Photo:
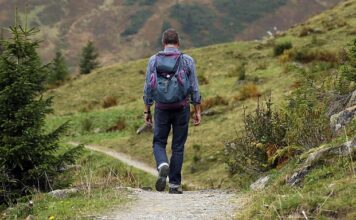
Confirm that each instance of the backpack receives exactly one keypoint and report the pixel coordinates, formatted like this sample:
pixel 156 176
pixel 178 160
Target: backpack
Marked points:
pixel 169 79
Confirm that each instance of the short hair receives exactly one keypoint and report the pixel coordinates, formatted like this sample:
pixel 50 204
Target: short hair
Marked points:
pixel 170 36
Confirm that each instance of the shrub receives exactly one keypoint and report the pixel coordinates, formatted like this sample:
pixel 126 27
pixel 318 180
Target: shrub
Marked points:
pixel 214 101
pixel 279 48
pixel 307 114
pixel 346 81
pixel 242 156
pixel 109 101
pixel 264 136
pixel 248 91
pixel 307 55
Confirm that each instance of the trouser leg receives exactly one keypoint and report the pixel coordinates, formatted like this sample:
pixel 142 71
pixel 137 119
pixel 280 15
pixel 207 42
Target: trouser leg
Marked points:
pixel 162 127
pixel 180 123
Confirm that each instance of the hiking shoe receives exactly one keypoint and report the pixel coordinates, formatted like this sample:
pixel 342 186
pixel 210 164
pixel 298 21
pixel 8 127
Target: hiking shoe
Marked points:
pixel 162 176
pixel 175 190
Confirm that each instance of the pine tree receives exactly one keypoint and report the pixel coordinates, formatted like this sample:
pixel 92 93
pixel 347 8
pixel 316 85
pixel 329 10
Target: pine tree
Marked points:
pixel 1 39
pixel 28 154
pixel 89 58
pixel 58 69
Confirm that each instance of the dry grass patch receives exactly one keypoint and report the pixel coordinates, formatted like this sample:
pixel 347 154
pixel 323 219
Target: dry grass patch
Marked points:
pixel 109 101
pixel 214 101
pixel 247 91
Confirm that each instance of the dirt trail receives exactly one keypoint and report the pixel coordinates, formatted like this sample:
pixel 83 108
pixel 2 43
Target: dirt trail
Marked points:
pixel 152 205
pixel 122 157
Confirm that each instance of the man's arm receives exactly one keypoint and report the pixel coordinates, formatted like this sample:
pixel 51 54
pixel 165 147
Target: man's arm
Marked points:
pixel 195 93
pixel 146 97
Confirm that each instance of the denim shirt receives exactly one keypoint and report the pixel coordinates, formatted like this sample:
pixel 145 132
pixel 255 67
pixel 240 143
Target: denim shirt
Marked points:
pixel 195 97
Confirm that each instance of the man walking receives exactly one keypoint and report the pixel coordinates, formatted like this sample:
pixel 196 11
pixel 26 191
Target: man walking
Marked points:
pixel 171 83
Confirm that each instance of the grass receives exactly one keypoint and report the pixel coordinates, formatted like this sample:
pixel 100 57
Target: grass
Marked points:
pixel 326 193
pixel 97 177
pixel 77 206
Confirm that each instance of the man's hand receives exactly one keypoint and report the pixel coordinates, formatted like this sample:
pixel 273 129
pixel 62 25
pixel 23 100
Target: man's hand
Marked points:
pixel 148 116
pixel 197 115
pixel 148 119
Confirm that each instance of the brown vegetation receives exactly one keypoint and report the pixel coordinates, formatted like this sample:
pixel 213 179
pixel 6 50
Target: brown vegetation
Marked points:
pixel 109 101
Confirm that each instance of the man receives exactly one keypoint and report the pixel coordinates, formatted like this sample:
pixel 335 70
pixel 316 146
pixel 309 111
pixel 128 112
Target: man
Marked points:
pixel 170 82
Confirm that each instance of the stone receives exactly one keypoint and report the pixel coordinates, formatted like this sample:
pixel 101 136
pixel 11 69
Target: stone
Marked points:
pixel 30 217
pixel 298 176
pixel 344 149
pixel 144 128
pixel 352 100
pixel 63 193
pixel 341 119
pixel 261 183
pixel 209 112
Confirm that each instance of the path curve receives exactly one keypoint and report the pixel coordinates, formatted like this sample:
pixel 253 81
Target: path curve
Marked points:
pixel 152 205
pixel 120 156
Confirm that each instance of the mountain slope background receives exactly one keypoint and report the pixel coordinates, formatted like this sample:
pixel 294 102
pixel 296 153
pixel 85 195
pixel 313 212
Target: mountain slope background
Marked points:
pixel 135 26
pixel 83 101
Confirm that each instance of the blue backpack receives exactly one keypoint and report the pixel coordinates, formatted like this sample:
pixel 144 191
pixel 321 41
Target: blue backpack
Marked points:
pixel 169 80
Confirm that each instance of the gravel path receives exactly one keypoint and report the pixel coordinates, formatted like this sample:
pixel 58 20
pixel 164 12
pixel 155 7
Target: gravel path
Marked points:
pixel 152 205
pixel 208 204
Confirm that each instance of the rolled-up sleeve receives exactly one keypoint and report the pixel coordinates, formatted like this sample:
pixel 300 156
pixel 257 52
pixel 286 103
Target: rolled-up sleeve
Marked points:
pixel 195 97
pixel 146 97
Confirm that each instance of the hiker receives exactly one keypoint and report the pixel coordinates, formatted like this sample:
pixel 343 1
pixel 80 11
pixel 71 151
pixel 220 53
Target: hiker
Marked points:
pixel 171 83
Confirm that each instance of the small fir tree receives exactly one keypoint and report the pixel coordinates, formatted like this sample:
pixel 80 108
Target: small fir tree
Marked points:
pixel 1 39
pixel 28 154
pixel 89 58
pixel 58 69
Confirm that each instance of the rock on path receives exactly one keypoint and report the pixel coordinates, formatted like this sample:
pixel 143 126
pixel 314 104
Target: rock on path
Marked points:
pixel 208 204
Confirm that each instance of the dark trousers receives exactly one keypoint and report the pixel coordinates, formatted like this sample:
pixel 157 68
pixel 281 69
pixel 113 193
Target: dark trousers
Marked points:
pixel 164 120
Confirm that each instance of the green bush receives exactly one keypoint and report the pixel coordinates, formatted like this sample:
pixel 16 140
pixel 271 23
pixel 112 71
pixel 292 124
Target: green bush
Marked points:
pixel 279 48
pixel 264 134
pixel 29 157
pixel 346 81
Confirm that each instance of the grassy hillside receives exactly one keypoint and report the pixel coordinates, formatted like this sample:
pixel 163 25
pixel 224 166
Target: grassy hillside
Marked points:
pixel 135 26
pixel 81 101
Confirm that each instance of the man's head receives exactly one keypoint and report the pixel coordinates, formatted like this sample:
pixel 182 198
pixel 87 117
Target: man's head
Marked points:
pixel 170 37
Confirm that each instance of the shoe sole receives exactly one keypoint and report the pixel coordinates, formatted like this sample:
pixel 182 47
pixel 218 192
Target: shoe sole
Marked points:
pixel 162 176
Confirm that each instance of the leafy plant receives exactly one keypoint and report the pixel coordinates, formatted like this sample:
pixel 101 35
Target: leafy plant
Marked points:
pixel 28 156
pixel 347 79
pixel 58 69
pixel 279 48
pixel 89 58
pixel 264 134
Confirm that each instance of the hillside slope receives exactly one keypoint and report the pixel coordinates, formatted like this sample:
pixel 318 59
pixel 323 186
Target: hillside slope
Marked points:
pixel 218 68
pixel 134 26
